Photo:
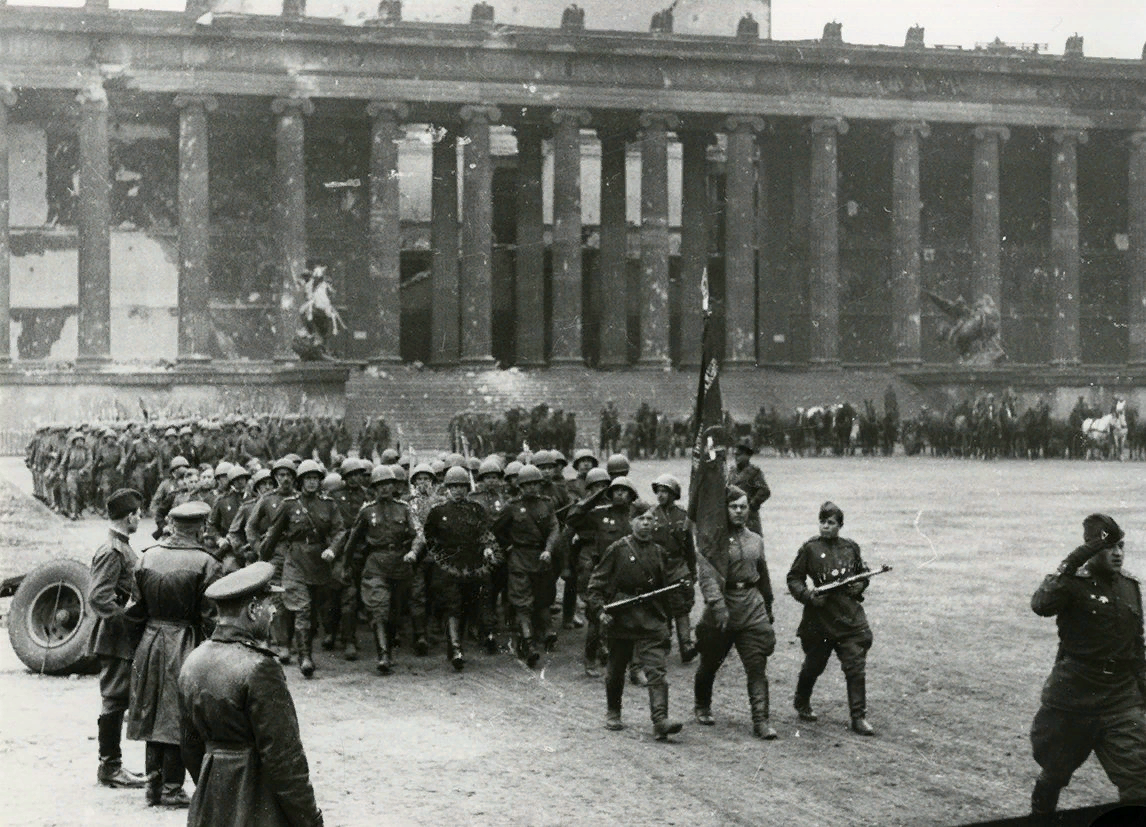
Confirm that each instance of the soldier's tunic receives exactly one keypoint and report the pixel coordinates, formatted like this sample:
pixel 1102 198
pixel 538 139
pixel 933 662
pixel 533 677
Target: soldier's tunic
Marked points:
pixel 422 585
pixel 76 468
pixel 597 529
pixel 457 534
pixel 237 531
pixel 219 524
pixel 162 503
pixel 263 516
pixel 241 738
pixel 750 480
pixel 671 532
pixel 350 501
pixel 106 469
pixel 141 465
pixel 384 531
pixel 113 635
pixel 492 497
pixel 1095 696
pixel 526 527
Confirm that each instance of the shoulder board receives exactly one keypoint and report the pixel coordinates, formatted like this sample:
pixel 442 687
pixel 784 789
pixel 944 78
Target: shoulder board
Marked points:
pixel 1130 576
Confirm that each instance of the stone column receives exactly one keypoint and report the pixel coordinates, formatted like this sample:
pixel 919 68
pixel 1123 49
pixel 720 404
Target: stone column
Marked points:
pixel 1066 346
pixel 740 242
pixel 986 276
pixel 194 228
pixel 477 237
pixel 7 99
pixel 1136 289
pixel 905 255
pixel 94 230
pixel 530 259
pixel 445 324
pixel 567 270
pixel 613 252
pixel 824 293
pixel 290 214
pixel 294 9
pixel 694 235
pixel 385 244
pixel 655 239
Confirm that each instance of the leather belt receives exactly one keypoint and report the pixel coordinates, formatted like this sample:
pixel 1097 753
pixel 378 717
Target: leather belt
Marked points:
pixel 1108 666
pixel 174 624
pixel 739 585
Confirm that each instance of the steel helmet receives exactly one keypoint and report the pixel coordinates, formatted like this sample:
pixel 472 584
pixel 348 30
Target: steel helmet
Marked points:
pixel 309 466
pixel 237 472
pixel 513 469
pixel 223 469
pixel 617 465
pixel 332 482
pixel 365 464
pixel 348 466
pixel 399 473
pixel 585 453
pixel 294 458
pixel 260 475
pixel 421 468
pixel 529 473
pixel 596 475
pixel 437 467
pixel 667 481
pixel 285 463
pixel 473 464
pixel 457 476
pixel 542 458
pixel 623 482
pixel 489 466
pixel 558 458
pixel 389 457
pixel 406 461
pixel 177 462
pixel 382 473
pixel 454 459
pixel 524 458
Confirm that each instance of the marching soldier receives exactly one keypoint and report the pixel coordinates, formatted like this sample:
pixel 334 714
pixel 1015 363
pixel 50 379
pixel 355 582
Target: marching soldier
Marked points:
pixel 384 543
pixel 738 612
pixel 312 527
pixel 581 540
pixel 528 530
pixel 239 725
pixel 672 532
pixel 172 577
pixel 263 516
pixel 750 479
pixel 223 515
pixel 1095 697
pixel 351 499
pixel 463 551
pixel 583 460
pixel 112 640
pixel 236 539
pixel 141 462
pixel 75 469
pixel 834 621
pixel 630 567
pixel 425 495
pixel 164 499
pixel 105 469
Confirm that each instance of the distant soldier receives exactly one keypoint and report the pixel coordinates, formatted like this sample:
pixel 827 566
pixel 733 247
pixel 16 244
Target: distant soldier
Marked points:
pixel 253 444
pixel 1095 697
pixel 141 462
pixel 76 469
pixel 311 526
pixel 112 640
pixel 172 577
pixel 164 499
pixel 750 479
pixel 187 446
pixel 583 460
pixel 240 730
pixel 671 530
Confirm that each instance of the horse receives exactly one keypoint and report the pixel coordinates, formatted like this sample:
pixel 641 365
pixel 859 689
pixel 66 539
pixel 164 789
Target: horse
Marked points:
pixel 1106 433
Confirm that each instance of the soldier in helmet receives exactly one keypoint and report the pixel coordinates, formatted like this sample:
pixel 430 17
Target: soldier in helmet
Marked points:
pixel 617 465
pixel 581 542
pixel 491 495
pixel 105 469
pixel 141 459
pixel 164 499
pixel 223 515
pixel 351 498
pixel 236 539
pixel 424 479
pixel 528 530
pixel 311 526
pixel 384 543
pixel 672 531
pixel 750 479
pixel 253 445
pixel 583 460
pixel 464 552
pixel 76 468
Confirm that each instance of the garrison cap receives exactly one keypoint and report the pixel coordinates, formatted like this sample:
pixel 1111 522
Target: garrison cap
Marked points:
pixel 190 512
pixel 246 582
pixel 123 502
pixel 639 507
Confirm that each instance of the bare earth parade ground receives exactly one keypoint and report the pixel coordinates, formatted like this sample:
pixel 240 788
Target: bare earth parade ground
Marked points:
pixel 953 680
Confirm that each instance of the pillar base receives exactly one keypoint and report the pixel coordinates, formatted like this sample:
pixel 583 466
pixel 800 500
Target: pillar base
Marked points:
pixel 483 362
pixel 92 362
pixel 1065 363
pixel 654 364
pixel 567 362
pixel 384 361
pixel 824 364
pixel 614 365
pixel 906 363
pixel 738 364
pixel 531 364
pixel 193 359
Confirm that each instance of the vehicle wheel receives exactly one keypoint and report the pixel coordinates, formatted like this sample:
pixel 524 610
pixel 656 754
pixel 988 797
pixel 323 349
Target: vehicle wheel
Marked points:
pixel 49 622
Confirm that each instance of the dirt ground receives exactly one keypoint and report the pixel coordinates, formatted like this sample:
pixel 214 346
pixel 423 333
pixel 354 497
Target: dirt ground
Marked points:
pixel 953 681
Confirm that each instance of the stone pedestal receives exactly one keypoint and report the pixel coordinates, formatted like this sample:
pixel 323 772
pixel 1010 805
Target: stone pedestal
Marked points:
pixel 445 320
pixel 530 258
pixel 905 255
pixel 613 253
pixel 567 270
pixel 290 214
pixel 824 292
pixel 384 317
pixel 477 237
pixel 94 230
pixel 655 239
pixel 1066 345
pixel 194 228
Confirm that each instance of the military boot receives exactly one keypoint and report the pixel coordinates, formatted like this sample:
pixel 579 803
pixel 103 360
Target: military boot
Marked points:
pixel 350 651
pixel 1044 797
pixel 758 702
pixel 382 644
pixel 613 695
pixel 153 766
pixel 857 704
pixel 173 796
pixel 684 639
pixel 111 772
pixel 803 700
pixel 658 709
pixel 305 658
pixel 529 651
pixel 454 648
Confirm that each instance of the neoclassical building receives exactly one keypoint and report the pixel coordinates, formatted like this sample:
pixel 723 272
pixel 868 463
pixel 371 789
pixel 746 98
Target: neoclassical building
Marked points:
pixel 495 195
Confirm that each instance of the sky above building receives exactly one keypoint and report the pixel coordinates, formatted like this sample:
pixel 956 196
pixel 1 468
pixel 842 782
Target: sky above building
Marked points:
pixel 1111 28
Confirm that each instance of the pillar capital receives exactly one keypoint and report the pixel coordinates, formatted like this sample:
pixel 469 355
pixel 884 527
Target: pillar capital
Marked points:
pixel 1070 136
pixel 904 129
pixel 575 118
pixel 395 110
pixel 283 106
pixel 207 102
pixel 992 131
pixel 818 126
pixel 663 120
pixel 486 114
pixel 93 94
pixel 743 123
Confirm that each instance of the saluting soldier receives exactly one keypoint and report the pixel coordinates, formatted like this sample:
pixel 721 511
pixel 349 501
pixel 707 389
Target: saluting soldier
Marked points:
pixel 750 479
pixel 172 577
pixel 384 543
pixel 240 730
pixel 738 612
pixel 1095 697
pixel 672 531
pixel 112 640
pixel 630 567
pixel 312 527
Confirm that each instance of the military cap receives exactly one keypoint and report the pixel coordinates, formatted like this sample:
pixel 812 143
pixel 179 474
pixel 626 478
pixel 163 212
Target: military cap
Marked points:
pixel 1103 528
pixel 190 512
pixel 382 473
pixel 457 476
pixel 123 502
pixel 348 466
pixel 260 475
pixel 309 466
pixel 528 474
pixel 639 507
pixel 668 481
pixel 489 466
pixel 246 582
pixel 543 459
pixel 617 465
pixel 284 464
pixel 453 460
pixel 585 453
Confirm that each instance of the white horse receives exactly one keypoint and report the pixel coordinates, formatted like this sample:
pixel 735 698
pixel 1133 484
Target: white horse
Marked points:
pixel 1106 433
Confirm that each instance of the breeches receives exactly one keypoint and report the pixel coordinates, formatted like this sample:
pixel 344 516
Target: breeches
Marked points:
pixel 649 653
pixel 114 684
pixel 1062 741
pixel 754 645
pixel 308 604
pixel 462 596
pixel 529 589
pixel 852 652
pixel 385 598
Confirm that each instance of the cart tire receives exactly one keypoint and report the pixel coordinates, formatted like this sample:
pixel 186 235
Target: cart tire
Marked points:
pixel 50 620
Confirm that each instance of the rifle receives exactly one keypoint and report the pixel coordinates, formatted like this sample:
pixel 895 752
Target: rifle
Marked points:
pixel 644 598
pixel 855 578
pixel 584 504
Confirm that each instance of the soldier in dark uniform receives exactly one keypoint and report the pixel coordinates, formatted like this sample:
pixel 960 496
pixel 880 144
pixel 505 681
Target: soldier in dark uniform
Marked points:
pixel 423 479
pixel 583 460
pixel 833 621
pixel 172 577
pixel 632 566
pixel 672 531
pixel 738 612
pixel 164 499
pixel 105 470
pixel 750 479
pixel 253 445
pixel 265 512
pixel 113 587
pixel 223 515
pixel 581 541
pixel 312 527
pixel 356 475
pixel 141 463
pixel 1095 697
pixel 236 540
pixel 528 530
pixel 75 469
pixel 240 731
pixel 491 495
pixel 384 543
